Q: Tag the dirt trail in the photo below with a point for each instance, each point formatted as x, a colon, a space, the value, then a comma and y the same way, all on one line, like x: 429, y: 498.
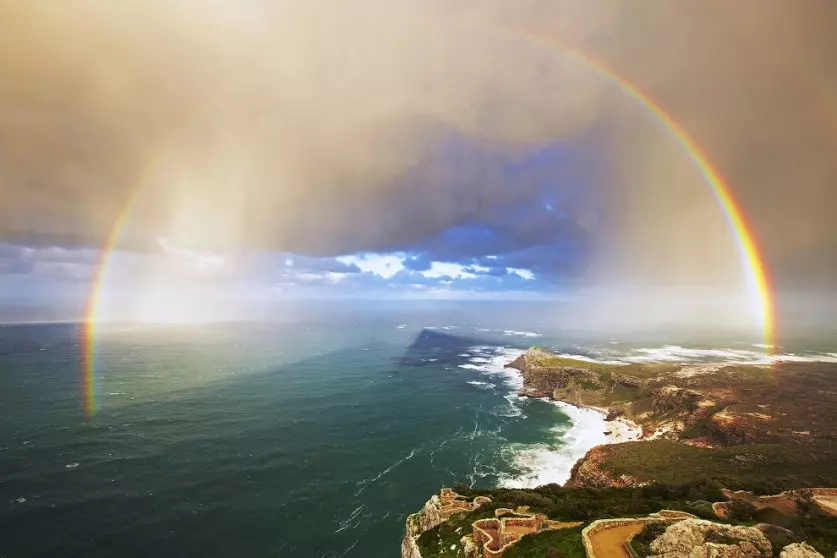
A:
x: 608, y: 543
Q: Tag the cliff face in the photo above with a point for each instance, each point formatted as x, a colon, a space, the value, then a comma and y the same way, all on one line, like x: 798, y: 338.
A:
x: 713, y: 406
x: 429, y: 517
x: 587, y: 473
x: 409, y: 548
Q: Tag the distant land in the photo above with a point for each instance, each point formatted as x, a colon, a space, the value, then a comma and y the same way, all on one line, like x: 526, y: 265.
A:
x: 733, y: 460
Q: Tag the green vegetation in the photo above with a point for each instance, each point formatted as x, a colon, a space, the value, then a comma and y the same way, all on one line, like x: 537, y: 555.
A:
x: 588, y: 504
x: 777, y: 434
x: 698, y: 429
x: 641, y: 543
x: 437, y: 542
x: 557, y: 362
x: 585, y: 504
x: 563, y: 543
x: 761, y: 468
x: 815, y: 526
x: 567, y: 504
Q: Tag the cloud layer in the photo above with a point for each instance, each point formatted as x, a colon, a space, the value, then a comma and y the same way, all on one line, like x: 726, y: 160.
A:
x: 452, y: 133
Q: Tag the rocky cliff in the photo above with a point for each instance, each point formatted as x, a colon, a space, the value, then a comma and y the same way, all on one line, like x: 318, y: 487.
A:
x: 429, y: 517
x: 716, y: 406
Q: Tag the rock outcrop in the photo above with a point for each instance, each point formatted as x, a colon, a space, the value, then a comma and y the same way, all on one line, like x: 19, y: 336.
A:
x: 438, y: 509
x: 698, y: 538
x: 587, y: 473
x: 429, y: 517
x: 544, y: 374
x: 800, y: 550
x: 409, y: 548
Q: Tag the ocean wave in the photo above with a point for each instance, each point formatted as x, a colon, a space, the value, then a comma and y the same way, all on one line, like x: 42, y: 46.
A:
x: 547, y: 463
x: 350, y: 521
x: 492, y: 361
x: 586, y: 358
x: 522, y: 333
x: 366, y: 482
x: 482, y: 385
x: 676, y: 353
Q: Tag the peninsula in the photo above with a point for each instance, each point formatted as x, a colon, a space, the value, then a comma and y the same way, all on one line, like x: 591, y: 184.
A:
x: 716, y: 439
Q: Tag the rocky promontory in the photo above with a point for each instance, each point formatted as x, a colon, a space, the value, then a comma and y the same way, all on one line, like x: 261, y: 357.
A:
x: 782, y: 411
x: 714, y: 438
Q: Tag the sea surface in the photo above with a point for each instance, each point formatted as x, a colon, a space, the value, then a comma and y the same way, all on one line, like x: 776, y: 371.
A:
x: 312, y: 435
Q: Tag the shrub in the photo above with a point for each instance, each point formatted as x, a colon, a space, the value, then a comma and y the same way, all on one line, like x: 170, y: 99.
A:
x: 641, y: 543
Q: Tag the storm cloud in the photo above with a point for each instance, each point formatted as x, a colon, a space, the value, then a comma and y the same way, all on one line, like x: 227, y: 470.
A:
x: 445, y: 131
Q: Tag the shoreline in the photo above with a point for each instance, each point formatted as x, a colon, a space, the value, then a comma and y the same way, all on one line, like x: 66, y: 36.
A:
x: 588, y: 429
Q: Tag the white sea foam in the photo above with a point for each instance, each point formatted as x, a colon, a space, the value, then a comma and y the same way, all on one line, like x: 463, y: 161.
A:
x: 522, y: 333
x: 675, y: 353
x: 589, y: 359
x: 492, y: 361
x: 482, y: 385
x: 546, y: 463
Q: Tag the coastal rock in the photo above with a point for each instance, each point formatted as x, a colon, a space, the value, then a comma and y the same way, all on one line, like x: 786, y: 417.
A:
x: 429, y: 517
x: 698, y: 538
x: 800, y: 550
x: 673, y: 398
x: 409, y: 548
x: 587, y: 473
x: 471, y: 548
x: 778, y: 536
x: 614, y: 413
x: 628, y: 381
x: 731, y: 428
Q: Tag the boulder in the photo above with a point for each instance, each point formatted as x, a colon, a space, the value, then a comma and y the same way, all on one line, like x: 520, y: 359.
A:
x: 778, y: 536
x: 698, y: 538
x: 800, y: 550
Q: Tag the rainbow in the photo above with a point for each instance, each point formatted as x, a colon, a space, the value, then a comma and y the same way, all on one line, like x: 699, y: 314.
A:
x: 751, y: 255
x: 88, y: 365
x: 753, y: 260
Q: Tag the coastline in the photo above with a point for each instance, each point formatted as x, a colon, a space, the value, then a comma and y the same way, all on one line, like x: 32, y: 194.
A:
x: 588, y: 429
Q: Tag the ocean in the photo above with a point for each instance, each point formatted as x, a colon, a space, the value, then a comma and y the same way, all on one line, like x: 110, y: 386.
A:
x: 311, y: 435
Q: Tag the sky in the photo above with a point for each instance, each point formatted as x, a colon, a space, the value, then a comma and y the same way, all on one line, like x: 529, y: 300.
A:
x: 258, y: 151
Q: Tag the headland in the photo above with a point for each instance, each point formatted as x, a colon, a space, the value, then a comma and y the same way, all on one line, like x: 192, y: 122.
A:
x: 706, y: 444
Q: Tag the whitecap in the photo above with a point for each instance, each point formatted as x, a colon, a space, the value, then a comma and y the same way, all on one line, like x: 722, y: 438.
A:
x: 676, y: 353
x: 482, y: 385
x: 522, y: 333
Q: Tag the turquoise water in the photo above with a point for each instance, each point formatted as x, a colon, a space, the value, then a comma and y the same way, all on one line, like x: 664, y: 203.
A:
x: 313, y: 436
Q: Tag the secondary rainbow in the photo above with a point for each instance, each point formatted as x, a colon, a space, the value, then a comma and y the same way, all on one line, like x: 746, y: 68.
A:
x: 751, y: 255
x: 92, y: 314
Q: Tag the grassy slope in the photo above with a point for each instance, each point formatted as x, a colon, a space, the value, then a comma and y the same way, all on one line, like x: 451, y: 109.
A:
x: 762, y: 468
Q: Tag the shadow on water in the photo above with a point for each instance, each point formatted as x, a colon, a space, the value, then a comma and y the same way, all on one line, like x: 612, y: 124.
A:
x: 323, y: 456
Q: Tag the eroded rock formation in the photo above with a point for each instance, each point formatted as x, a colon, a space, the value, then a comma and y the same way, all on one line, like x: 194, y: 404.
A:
x: 698, y: 538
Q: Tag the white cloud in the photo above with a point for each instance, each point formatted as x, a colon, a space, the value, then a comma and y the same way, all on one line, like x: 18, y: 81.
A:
x: 447, y: 269
x: 524, y: 273
x: 383, y: 265
x: 325, y: 277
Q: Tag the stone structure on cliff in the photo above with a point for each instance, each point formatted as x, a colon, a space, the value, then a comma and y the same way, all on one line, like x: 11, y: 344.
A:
x: 438, y: 509
x: 495, y: 536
